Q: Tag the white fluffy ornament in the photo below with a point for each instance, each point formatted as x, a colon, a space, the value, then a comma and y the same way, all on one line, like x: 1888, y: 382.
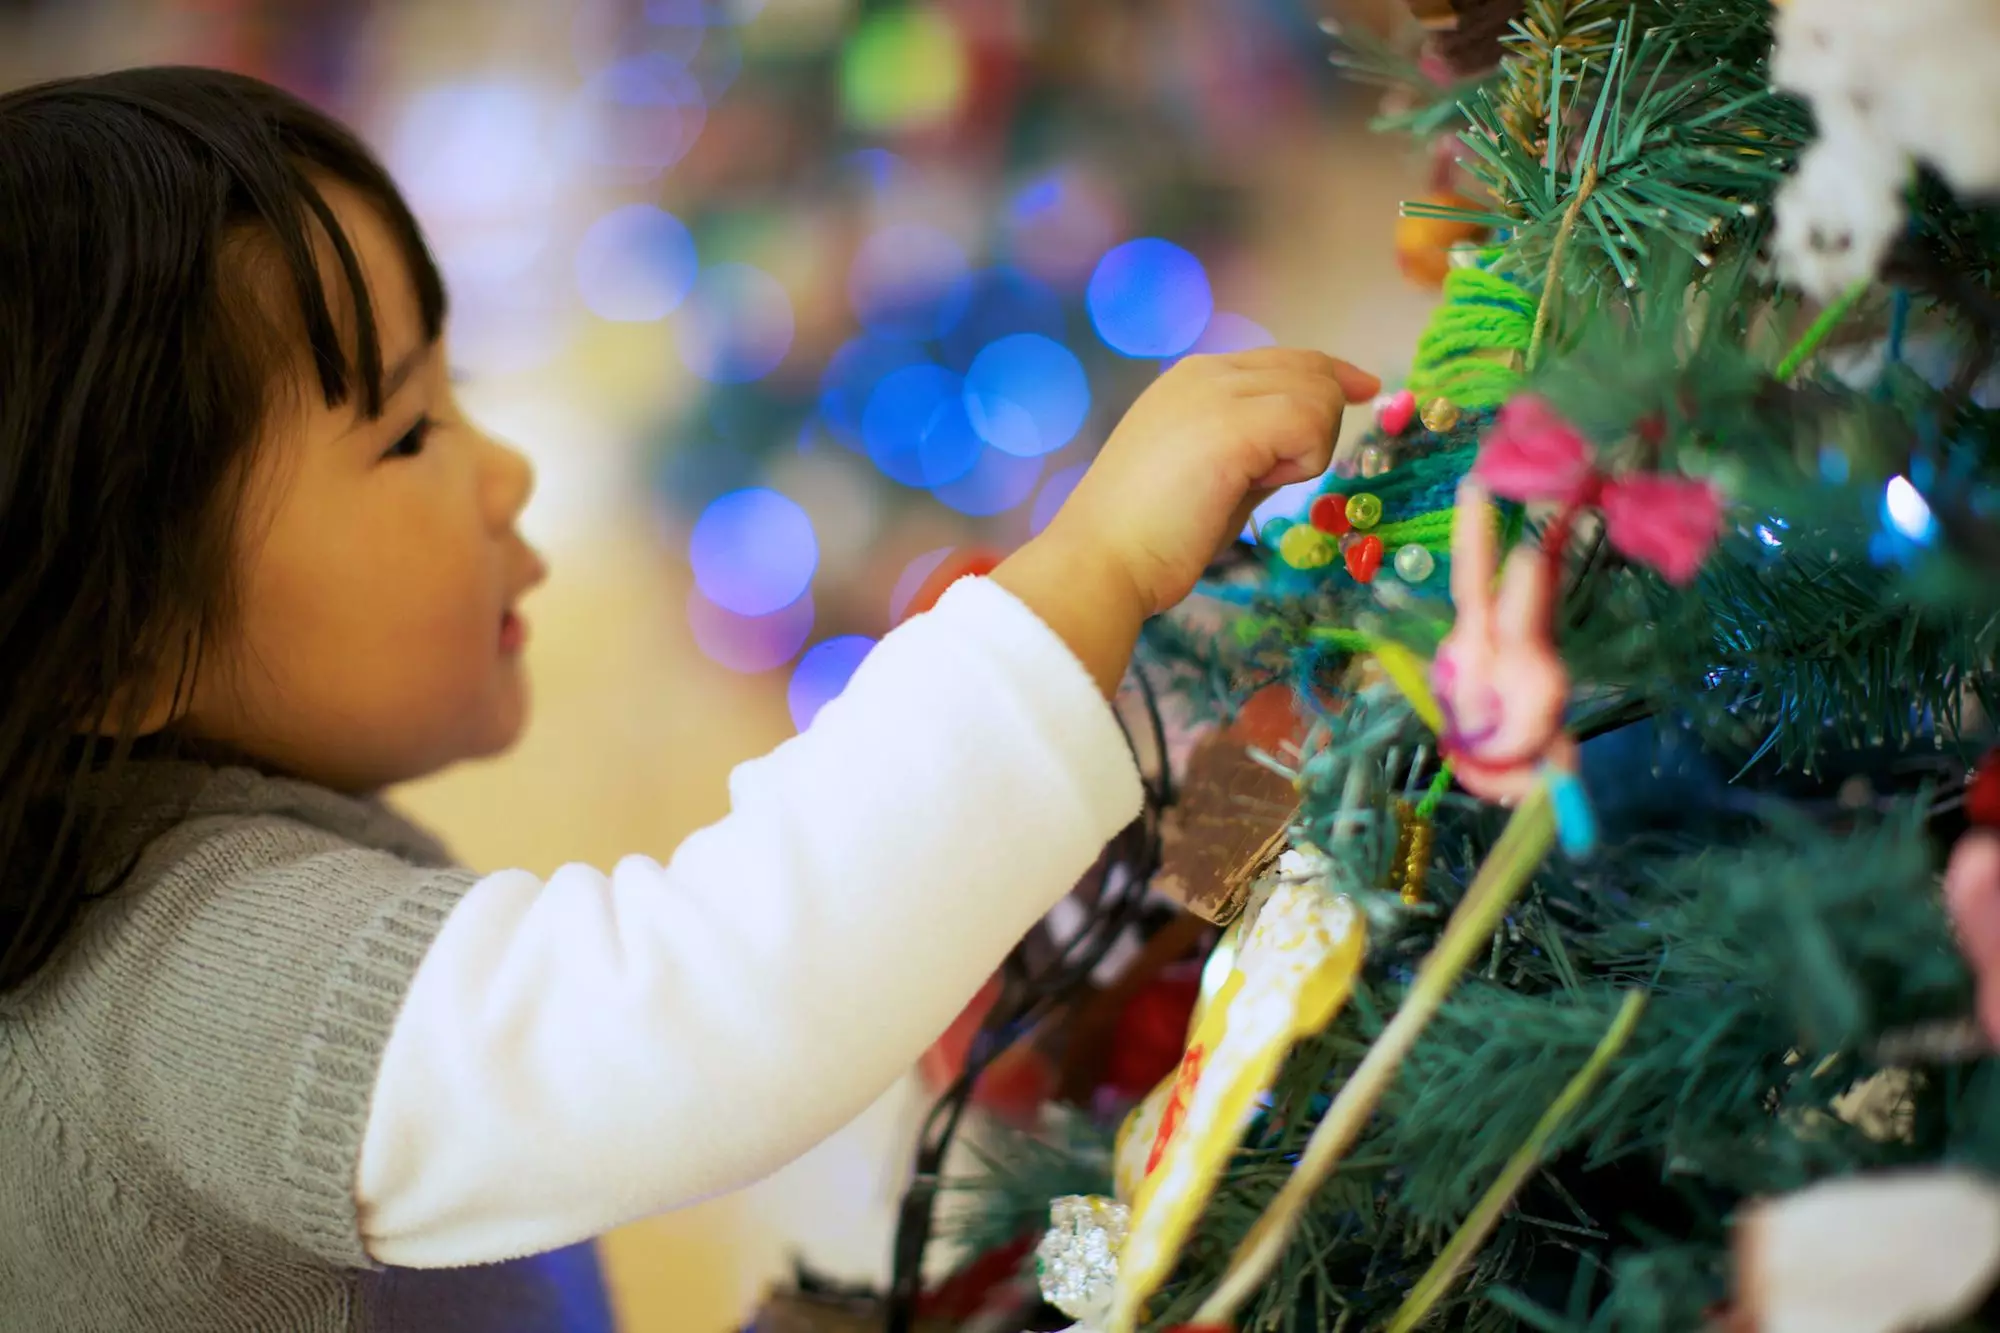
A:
x: 1838, y: 214
x: 1884, y: 1253
x: 1890, y: 84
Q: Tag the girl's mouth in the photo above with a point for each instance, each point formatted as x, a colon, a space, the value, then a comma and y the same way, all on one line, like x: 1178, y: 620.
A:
x: 513, y: 633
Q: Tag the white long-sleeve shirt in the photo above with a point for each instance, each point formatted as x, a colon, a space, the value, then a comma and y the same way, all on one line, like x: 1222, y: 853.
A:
x: 579, y: 1052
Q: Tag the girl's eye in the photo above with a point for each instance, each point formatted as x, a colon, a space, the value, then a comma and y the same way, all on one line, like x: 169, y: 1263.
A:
x: 412, y: 442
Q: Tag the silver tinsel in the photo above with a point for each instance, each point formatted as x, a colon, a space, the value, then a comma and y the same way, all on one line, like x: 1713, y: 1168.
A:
x: 1078, y: 1259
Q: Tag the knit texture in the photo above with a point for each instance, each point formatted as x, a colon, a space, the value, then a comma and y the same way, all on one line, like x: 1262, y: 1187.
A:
x: 183, y: 1092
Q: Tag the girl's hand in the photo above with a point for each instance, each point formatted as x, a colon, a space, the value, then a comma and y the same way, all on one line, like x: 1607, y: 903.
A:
x: 1174, y: 485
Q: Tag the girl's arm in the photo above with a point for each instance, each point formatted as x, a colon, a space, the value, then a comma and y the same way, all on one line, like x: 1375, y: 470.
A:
x: 579, y: 1053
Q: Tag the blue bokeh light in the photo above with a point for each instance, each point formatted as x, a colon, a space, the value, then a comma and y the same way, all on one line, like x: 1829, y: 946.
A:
x: 909, y: 281
x: 1027, y: 395
x: 850, y: 379
x: 1054, y: 494
x: 736, y: 325
x: 995, y: 483
x: 1149, y: 298
x: 753, y: 551
x: 702, y: 13
x: 1004, y: 301
x: 749, y: 643
x: 916, y: 429
x: 822, y: 674
x: 635, y: 264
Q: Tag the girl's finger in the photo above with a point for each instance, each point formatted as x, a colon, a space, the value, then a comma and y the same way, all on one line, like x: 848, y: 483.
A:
x: 1354, y: 382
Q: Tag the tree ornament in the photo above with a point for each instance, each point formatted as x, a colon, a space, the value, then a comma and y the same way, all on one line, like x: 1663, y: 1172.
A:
x: 1414, y: 834
x: 1982, y: 792
x: 1077, y: 1261
x: 1868, y: 1254
x: 1300, y: 956
x: 1440, y: 415
x: 1414, y: 563
x: 1500, y: 683
x: 1305, y: 547
x: 1534, y: 456
x: 1150, y: 1033
x: 1890, y: 86
x: 1424, y: 244
x: 1329, y: 514
x: 1364, y: 559
x: 1231, y: 822
x: 1395, y: 412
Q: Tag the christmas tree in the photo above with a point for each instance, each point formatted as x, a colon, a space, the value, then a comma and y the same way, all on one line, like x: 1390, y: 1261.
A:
x: 1633, y: 829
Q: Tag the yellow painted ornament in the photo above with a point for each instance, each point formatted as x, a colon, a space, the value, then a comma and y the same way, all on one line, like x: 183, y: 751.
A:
x: 1132, y: 1149
x: 1297, y: 966
x: 1306, y: 547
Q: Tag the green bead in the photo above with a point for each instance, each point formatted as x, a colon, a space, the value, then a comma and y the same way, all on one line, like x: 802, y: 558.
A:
x: 1364, y: 511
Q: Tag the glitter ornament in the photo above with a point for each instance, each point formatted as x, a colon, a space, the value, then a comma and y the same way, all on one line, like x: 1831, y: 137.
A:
x: 1395, y: 412
x: 1296, y: 967
x: 1077, y: 1261
x: 1364, y: 559
x: 1414, y: 563
x: 1305, y: 547
x: 1423, y: 244
x: 1440, y: 415
x: 1364, y: 511
x: 1414, y: 836
x: 1329, y: 514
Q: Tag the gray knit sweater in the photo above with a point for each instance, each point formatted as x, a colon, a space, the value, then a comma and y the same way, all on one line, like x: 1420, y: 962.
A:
x: 183, y: 1092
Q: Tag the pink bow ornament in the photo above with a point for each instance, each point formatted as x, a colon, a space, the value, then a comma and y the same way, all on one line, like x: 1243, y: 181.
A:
x: 1533, y: 455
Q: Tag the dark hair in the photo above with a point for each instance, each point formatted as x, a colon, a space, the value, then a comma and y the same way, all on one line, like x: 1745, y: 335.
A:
x: 137, y: 365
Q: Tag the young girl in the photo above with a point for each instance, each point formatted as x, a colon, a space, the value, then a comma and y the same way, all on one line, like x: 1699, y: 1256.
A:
x: 263, y: 1049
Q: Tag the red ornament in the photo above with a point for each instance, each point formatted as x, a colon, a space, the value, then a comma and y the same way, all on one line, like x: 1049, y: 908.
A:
x: 1329, y: 514
x: 1147, y: 1041
x: 1364, y: 558
x: 1982, y: 794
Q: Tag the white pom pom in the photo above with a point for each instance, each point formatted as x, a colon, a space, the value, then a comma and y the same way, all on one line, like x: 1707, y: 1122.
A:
x: 1839, y: 213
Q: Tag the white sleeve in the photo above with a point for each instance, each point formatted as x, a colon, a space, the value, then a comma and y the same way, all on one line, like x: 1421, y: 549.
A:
x: 576, y: 1054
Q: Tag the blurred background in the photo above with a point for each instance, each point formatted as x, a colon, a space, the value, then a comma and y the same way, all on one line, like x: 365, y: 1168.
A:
x: 798, y: 304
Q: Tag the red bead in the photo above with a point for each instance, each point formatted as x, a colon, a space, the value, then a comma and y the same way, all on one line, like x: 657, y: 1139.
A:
x: 1982, y: 794
x: 1329, y: 514
x: 1364, y: 558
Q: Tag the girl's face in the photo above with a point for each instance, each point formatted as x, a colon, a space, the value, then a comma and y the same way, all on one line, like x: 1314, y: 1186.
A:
x: 377, y: 635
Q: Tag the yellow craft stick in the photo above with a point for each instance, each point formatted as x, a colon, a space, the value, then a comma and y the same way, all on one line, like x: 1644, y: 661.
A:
x: 1501, y: 878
